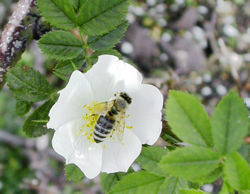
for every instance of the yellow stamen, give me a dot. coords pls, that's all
(94, 110)
(129, 127)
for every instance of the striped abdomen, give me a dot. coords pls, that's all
(103, 128)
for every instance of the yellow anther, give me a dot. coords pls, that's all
(129, 127)
(94, 110)
(90, 119)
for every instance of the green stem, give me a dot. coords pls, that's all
(167, 137)
(73, 65)
(85, 49)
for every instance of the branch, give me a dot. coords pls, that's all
(15, 141)
(23, 26)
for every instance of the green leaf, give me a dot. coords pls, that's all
(137, 183)
(64, 69)
(28, 84)
(190, 162)
(191, 191)
(60, 45)
(108, 40)
(35, 124)
(22, 107)
(109, 180)
(209, 178)
(245, 151)
(59, 13)
(73, 173)
(188, 119)
(230, 123)
(171, 185)
(97, 17)
(149, 159)
(244, 192)
(76, 4)
(226, 189)
(237, 172)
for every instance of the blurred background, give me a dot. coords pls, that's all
(197, 46)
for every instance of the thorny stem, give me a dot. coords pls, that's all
(23, 26)
(85, 48)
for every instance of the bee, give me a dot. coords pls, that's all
(113, 117)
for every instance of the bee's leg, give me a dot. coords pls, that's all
(117, 124)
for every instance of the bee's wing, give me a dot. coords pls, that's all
(120, 125)
(103, 107)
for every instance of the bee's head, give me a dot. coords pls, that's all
(126, 97)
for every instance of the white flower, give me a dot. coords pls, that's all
(75, 113)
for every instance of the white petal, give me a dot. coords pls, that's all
(118, 157)
(64, 138)
(110, 75)
(72, 98)
(76, 149)
(88, 157)
(145, 113)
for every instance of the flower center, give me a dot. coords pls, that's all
(94, 111)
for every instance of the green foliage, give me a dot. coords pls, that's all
(109, 180)
(35, 124)
(237, 172)
(171, 185)
(73, 173)
(188, 119)
(203, 165)
(14, 165)
(190, 162)
(59, 13)
(245, 151)
(191, 191)
(230, 123)
(149, 159)
(64, 69)
(60, 45)
(8, 119)
(97, 17)
(27, 84)
(226, 189)
(99, 24)
(209, 178)
(137, 183)
(27, 59)
(14, 168)
(22, 107)
(108, 40)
